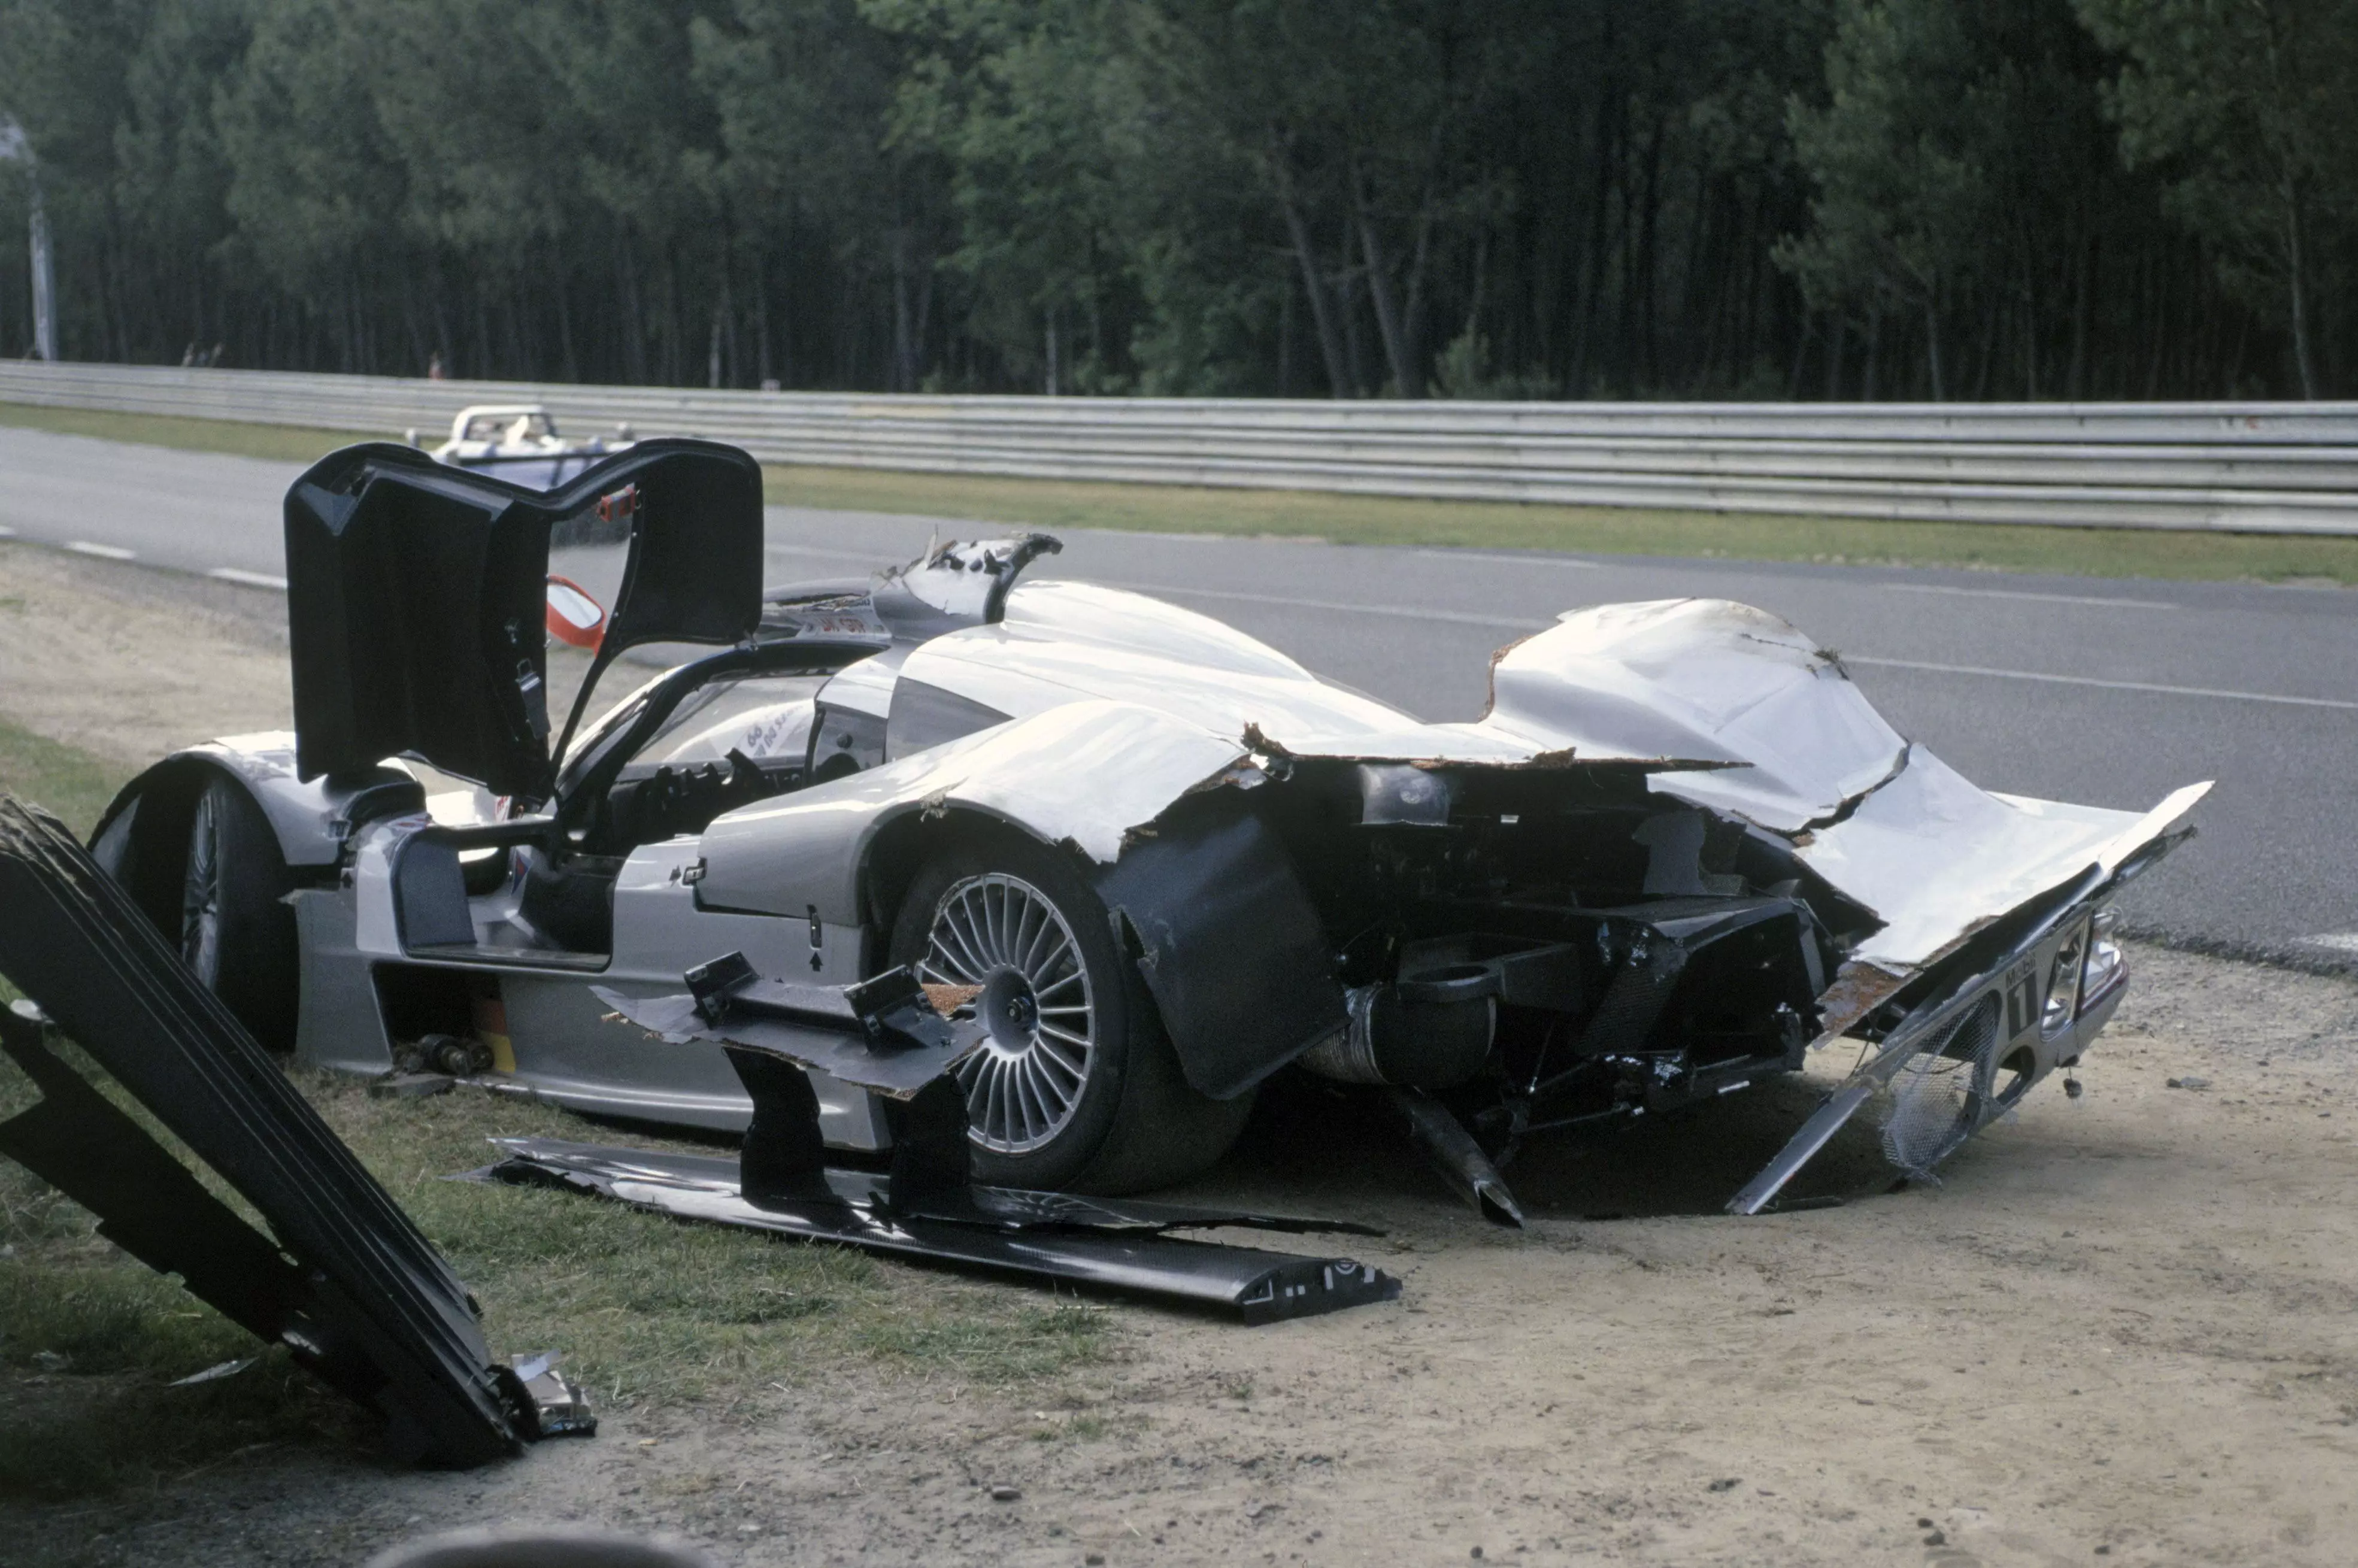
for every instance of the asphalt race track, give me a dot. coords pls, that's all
(2086, 689)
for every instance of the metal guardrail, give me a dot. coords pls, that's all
(2234, 467)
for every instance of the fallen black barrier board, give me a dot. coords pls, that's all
(345, 1280)
(1111, 1245)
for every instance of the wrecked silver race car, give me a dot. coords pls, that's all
(1157, 860)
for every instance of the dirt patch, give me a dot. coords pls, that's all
(2123, 1329)
(129, 662)
(2124, 1321)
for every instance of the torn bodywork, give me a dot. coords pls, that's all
(342, 1278)
(884, 1035)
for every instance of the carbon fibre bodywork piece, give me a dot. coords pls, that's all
(1001, 1234)
(1230, 946)
(882, 1034)
(929, 1208)
(416, 598)
(345, 1281)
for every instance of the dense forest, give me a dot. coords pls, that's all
(1751, 199)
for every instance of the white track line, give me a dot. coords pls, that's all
(2341, 941)
(1460, 618)
(104, 552)
(1499, 560)
(251, 579)
(1407, 612)
(2106, 685)
(822, 553)
(2025, 593)
(6, 532)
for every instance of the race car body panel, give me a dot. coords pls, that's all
(1159, 859)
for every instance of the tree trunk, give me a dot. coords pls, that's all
(764, 375)
(1933, 347)
(2296, 283)
(1413, 313)
(2075, 385)
(1406, 382)
(567, 354)
(1285, 342)
(1322, 316)
(903, 376)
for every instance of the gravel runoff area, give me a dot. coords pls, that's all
(2125, 1327)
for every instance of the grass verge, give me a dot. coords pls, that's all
(71, 783)
(1588, 530)
(282, 443)
(1384, 520)
(649, 1313)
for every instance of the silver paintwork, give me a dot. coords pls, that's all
(307, 817)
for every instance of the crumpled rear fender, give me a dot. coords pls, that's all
(1226, 937)
(310, 819)
(1708, 679)
(1084, 774)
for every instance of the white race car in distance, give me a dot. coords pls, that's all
(519, 442)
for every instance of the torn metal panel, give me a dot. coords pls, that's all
(964, 582)
(345, 1280)
(882, 1034)
(1859, 988)
(1257, 1286)
(927, 1206)
(1086, 773)
(1009, 1209)
(1703, 678)
(1934, 855)
(1980, 1040)
(1231, 947)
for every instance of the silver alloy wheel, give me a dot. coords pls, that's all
(200, 892)
(1003, 934)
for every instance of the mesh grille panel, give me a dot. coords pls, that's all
(1943, 1093)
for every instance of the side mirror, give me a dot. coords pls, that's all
(575, 618)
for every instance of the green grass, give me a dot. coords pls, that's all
(648, 1313)
(1588, 530)
(286, 443)
(1382, 520)
(70, 783)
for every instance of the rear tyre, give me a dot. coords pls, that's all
(236, 931)
(1077, 1087)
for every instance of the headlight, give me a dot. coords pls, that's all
(2063, 983)
(2106, 965)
